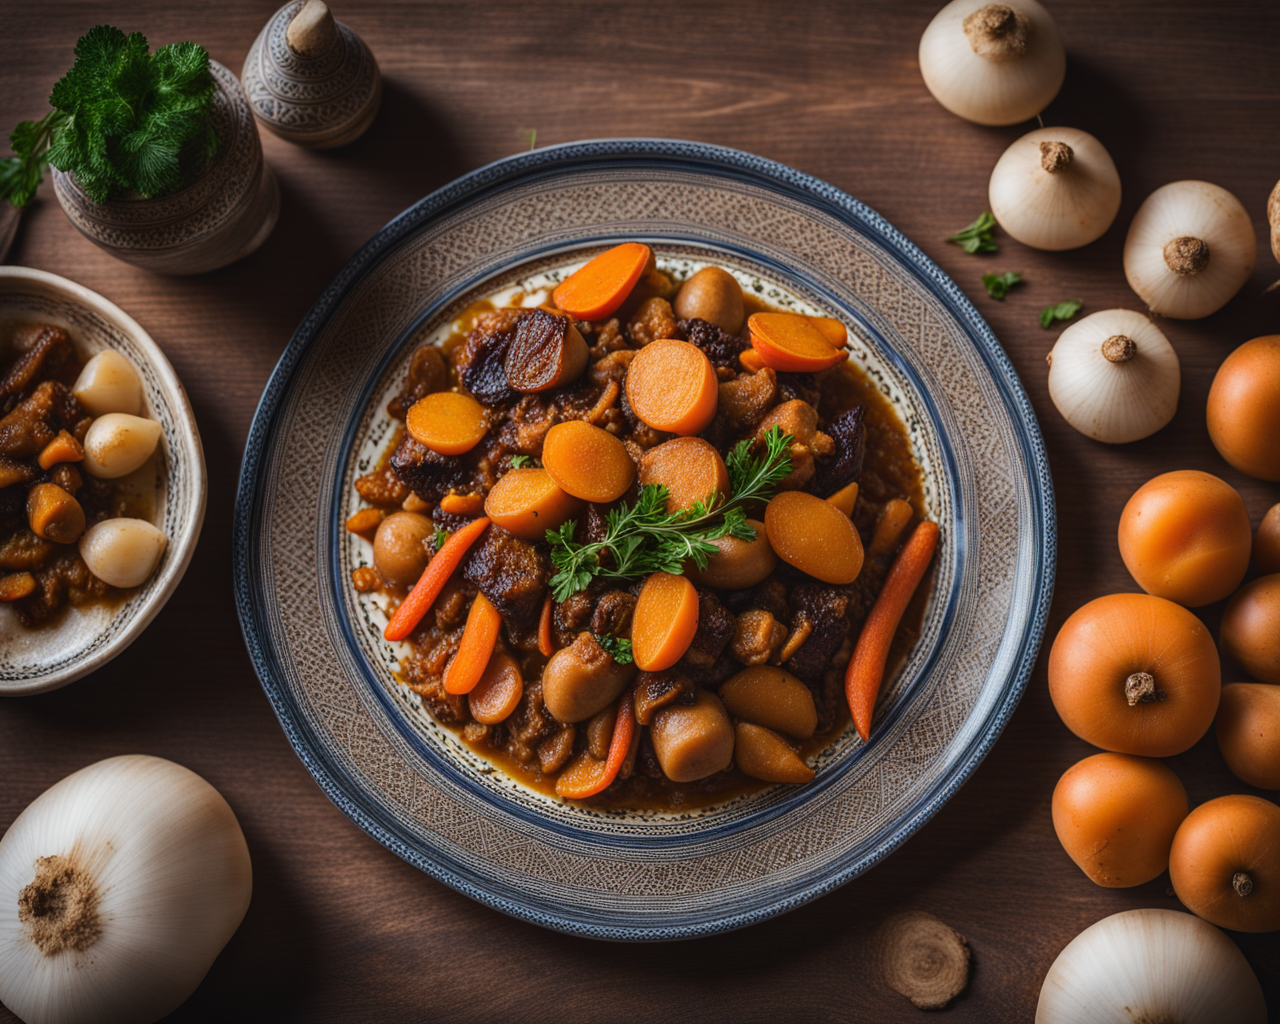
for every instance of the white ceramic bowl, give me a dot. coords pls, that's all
(86, 638)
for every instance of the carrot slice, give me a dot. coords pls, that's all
(461, 504)
(433, 579)
(672, 386)
(664, 622)
(845, 498)
(528, 503)
(833, 330)
(587, 776)
(587, 462)
(751, 361)
(594, 291)
(790, 342)
(497, 695)
(478, 639)
(866, 669)
(447, 422)
(546, 639)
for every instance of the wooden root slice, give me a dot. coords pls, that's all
(922, 958)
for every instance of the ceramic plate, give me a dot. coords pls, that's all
(526, 222)
(172, 482)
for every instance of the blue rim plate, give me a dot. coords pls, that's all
(317, 648)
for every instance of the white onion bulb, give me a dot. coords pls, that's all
(123, 552)
(1151, 965)
(109, 383)
(1055, 188)
(1114, 376)
(118, 443)
(1190, 248)
(993, 63)
(119, 886)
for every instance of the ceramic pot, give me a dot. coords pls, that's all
(221, 217)
(310, 79)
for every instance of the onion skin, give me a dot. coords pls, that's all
(1243, 411)
(1151, 965)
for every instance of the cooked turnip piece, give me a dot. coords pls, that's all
(109, 383)
(118, 443)
(122, 552)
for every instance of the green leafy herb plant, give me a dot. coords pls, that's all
(977, 237)
(124, 121)
(645, 538)
(998, 285)
(1062, 311)
(618, 646)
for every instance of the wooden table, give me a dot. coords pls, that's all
(342, 930)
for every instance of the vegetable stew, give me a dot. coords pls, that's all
(630, 557)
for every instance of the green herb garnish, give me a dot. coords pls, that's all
(1062, 311)
(998, 285)
(644, 538)
(124, 121)
(519, 461)
(618, 646)
(440, 537)
(977, 236)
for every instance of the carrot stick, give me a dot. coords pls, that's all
(595, 290)
(845, 498)
(866, 669)
(433, 579)
(893, 520)
(574, 786)
(478, 639)
(546, 641)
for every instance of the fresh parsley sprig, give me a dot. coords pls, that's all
(998, 285)
(977, 237)
(618, 646)
(124, 121)
(645, 538)
(1062, 311)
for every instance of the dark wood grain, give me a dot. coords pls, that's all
(340, 929)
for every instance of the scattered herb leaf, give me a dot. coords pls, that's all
(124, 121)
(998, 285)
(440, 537)
(530, 135)
(519, 461)
(1062, 311)
(618, 646)
(977, 236)
(644, 538)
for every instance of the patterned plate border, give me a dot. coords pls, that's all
(715, 163)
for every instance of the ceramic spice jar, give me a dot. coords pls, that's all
(221, 217)
(310, 79)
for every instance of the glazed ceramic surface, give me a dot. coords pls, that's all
(221, 217)
(319, 101)
(86, 638)
(522, 224)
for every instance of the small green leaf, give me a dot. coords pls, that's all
(998, 285)
(1062, 311)
(617, 646)
(519, 461)
(440, 537)
(977, 236)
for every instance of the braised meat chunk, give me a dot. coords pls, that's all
(511, 573)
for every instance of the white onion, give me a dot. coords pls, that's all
(118, 888)
(1114, 376)
(119, 443)
(993, 77)
(1190, 248)
(109, 383)
(1151, 965)
(122, 552)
